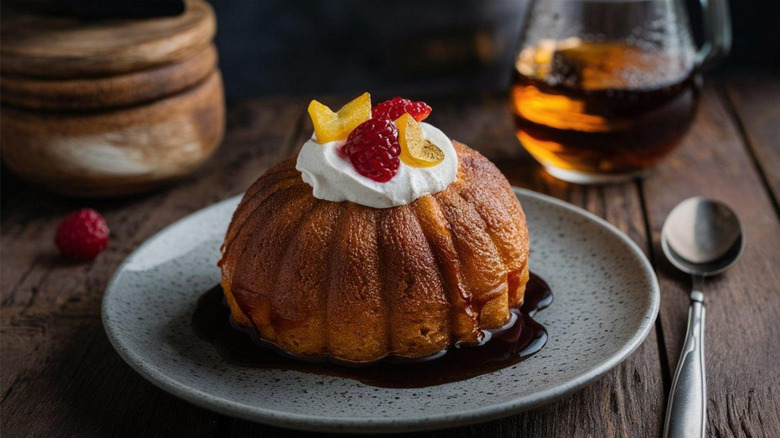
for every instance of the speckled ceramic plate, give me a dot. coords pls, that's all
(606, 299)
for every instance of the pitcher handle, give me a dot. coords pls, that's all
(717, 33)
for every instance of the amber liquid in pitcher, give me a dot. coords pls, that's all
(601, 108)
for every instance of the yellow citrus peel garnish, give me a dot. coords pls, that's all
(416, 151)
(330, 126)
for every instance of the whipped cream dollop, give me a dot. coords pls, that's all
(333, 177)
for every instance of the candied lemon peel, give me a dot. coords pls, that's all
(416, 151)
(332, 126)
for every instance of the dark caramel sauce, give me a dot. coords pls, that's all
(211, 322)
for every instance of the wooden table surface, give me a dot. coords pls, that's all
(61, 377)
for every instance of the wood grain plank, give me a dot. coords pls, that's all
(629, 400)
(743, 304)
(60, 374)
(755, 98)
(61, 377)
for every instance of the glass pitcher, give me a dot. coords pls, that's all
(604, 89)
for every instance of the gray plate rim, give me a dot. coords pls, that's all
(385, 424)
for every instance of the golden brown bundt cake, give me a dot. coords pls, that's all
(355, 283)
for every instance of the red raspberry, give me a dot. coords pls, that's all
(82, 235)
(373, 149)
(396, 107)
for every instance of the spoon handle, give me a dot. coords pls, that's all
(686, 414)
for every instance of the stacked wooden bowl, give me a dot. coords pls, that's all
(111, 107)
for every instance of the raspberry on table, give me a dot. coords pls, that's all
(82, 235)
(373, 149)
(396, 107)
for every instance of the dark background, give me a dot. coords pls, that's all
(300, 47)
(304, 47)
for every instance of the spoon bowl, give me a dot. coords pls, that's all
(702, 237)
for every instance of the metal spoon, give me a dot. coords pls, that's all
(701, 237)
